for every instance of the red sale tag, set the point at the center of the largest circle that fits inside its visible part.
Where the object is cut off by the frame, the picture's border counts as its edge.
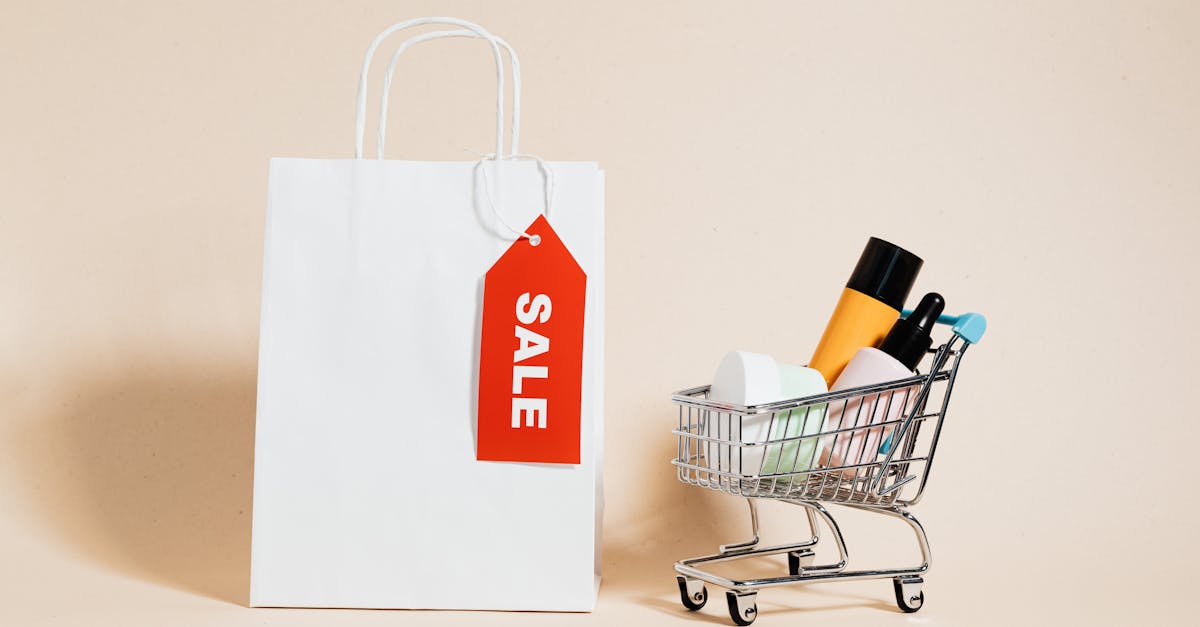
(531, 353)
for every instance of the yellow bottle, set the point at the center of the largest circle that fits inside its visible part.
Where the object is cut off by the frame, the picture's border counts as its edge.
(868, 307)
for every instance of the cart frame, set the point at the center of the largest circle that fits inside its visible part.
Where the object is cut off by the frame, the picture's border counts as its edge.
(717, 450)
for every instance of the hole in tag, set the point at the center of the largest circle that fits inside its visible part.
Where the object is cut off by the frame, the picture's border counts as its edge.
(534, 240)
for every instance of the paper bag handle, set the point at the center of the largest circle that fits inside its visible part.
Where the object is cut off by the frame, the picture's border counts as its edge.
(361, 103)
(514, 142)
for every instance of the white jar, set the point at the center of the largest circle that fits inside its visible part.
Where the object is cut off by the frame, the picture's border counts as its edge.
(748, 379)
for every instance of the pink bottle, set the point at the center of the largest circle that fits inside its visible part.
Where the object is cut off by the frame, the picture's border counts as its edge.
(896, 358)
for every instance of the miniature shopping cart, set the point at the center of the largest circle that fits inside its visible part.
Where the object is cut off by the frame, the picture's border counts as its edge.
(868, 448)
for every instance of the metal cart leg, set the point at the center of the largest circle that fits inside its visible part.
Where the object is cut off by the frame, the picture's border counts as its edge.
(908, 586)
(750, 547)
(799, 552)
(741, 596)
(918, 531)
(752, 542)
(802, 560)
(815, 510)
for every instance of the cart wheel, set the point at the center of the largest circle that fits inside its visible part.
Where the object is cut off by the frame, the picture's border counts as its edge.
(909, 596)
(798, 560)
(692, 592)
(742, 608)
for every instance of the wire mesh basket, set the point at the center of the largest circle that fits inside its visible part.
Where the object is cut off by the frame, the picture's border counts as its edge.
(864, 445)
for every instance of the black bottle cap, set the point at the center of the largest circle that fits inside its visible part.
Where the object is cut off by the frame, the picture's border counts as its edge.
(885, 272)
(909, 338)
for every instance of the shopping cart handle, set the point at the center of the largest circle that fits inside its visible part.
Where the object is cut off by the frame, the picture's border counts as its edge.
(968, 326)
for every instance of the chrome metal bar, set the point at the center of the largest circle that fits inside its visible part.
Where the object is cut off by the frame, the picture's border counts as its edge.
(753, 541)
(742, 585)
(795, 438)
(746, 549)
(814, 471)
(690, 396)
(917, 528)
(937, 429)
(838, 540)
(743, 553)
(938, 361)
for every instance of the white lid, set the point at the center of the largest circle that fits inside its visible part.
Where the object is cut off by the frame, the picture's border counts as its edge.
(745, 378)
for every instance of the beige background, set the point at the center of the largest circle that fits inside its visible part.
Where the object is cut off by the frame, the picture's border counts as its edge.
(1043, 159)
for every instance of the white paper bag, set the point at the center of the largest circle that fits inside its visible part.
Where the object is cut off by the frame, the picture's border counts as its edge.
(366, 489)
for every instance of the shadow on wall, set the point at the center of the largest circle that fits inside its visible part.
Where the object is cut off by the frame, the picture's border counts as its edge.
(148, 471)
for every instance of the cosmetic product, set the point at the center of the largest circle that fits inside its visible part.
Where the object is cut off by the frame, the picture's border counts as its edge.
(798, 455)
(896, 358)
(868, 306)
(749, 379)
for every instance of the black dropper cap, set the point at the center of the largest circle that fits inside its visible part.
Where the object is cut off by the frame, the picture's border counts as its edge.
(885, 272)
(909, 338)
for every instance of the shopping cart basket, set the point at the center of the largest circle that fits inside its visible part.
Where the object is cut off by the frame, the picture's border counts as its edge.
(867, 448)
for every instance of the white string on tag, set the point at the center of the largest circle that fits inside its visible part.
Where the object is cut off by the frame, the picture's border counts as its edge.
(547, 188)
